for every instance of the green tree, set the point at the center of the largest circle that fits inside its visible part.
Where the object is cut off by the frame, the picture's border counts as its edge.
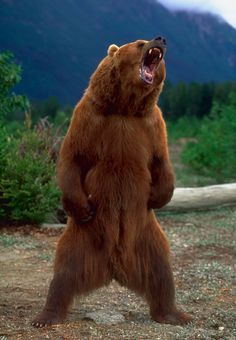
(177, 101)
(45, 108)
(222, 91)
(10, 75)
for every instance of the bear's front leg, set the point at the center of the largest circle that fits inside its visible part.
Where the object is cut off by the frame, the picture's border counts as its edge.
(71, 169)
(162, 186)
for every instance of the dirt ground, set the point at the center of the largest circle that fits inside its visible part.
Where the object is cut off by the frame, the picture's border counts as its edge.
(203, 256)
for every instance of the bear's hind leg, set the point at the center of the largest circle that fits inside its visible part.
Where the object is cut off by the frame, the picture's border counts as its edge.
(148, 272)
(60, 296)
(80, 266)
(160, 289)
(160, 293)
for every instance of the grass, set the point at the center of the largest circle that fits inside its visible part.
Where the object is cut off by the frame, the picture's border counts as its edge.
(45, 256)
(8, 240)
(16, 241)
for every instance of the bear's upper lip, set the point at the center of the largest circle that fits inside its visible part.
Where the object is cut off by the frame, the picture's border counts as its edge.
(149, 63)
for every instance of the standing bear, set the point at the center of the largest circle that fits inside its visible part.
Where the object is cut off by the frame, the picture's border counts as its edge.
(113, 170)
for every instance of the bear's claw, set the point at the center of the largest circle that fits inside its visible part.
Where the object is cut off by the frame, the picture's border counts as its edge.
(175, 318)
(46, 318)
(90, 216)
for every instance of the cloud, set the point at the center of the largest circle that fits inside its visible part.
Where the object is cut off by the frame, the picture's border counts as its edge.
(224, 8)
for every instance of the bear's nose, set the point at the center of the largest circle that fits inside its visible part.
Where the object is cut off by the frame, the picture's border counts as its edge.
(161, 40)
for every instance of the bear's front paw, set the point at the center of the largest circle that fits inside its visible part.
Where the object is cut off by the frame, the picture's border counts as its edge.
(82, 213)
(158, 199)
(87, 215)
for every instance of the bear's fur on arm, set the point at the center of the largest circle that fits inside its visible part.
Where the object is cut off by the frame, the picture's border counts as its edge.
(162, 186)
(114, 168)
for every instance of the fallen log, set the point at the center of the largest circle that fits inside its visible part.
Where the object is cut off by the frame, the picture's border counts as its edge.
(202, 197)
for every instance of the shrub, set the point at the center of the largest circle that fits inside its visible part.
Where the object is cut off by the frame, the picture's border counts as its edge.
(28, 192)
(27, 181)
(184, 127)
(213, 153)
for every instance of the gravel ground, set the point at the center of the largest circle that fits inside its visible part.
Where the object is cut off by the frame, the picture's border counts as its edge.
(203, 256)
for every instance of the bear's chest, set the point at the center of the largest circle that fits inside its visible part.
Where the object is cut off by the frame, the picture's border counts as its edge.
(121, 159)
(122, 140)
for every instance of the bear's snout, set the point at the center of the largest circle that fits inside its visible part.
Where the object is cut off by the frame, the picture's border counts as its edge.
(161, 40)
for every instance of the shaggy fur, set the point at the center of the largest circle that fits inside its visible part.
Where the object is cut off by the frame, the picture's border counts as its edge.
(114, 168)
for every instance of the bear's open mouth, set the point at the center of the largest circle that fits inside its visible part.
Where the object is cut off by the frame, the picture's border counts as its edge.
(149, 64)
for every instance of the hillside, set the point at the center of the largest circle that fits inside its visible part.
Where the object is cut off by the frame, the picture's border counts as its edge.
(59, 43)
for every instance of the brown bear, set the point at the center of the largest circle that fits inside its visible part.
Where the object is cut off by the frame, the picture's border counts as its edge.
(113, 170)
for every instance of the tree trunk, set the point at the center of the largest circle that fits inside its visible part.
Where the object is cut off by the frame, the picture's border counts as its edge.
(202, 198)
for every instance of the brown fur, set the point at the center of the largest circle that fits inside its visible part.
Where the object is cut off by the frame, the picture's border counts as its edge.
(115, 159)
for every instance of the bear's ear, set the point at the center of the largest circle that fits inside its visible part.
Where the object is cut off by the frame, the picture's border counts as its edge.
(112, 49)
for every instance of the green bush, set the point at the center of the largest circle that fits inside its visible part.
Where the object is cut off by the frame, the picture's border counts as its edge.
(184, 127)
(27, 181)
(214, 152)
(28, 191)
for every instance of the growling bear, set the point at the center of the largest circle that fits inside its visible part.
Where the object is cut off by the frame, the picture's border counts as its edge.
(113, 170)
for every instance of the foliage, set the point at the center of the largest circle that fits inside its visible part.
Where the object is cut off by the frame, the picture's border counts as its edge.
(213, 153)
(27, 180)
(4, 141)
(184, 127)
(10, 75)
(43, 108)
(27, 169)
(193, 99)
(28, 191)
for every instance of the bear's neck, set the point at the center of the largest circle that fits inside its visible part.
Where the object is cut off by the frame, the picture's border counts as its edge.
(131, 105)
(113, 98)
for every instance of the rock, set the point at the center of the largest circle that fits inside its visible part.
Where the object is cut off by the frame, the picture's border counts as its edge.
(105, 317)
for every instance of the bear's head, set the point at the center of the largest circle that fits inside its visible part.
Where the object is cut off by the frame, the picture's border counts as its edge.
(129, 73)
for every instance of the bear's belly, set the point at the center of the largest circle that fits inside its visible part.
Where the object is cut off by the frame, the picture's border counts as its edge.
(115, 186)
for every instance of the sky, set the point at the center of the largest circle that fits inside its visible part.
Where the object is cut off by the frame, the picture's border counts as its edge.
(224, 8)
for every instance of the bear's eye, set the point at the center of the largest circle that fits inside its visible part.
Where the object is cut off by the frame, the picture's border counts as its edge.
(141, 44)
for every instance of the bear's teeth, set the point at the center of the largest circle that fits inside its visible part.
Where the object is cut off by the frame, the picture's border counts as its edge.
(150, 51)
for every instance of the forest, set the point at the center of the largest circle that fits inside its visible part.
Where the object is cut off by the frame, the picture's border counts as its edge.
(200, 117)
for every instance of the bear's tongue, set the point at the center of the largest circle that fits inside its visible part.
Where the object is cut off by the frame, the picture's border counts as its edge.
(148, 72)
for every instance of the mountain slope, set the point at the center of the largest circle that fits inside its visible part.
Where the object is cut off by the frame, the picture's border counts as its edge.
(59, 43)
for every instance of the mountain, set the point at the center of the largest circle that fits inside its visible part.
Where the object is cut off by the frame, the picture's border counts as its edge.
(59, 43)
